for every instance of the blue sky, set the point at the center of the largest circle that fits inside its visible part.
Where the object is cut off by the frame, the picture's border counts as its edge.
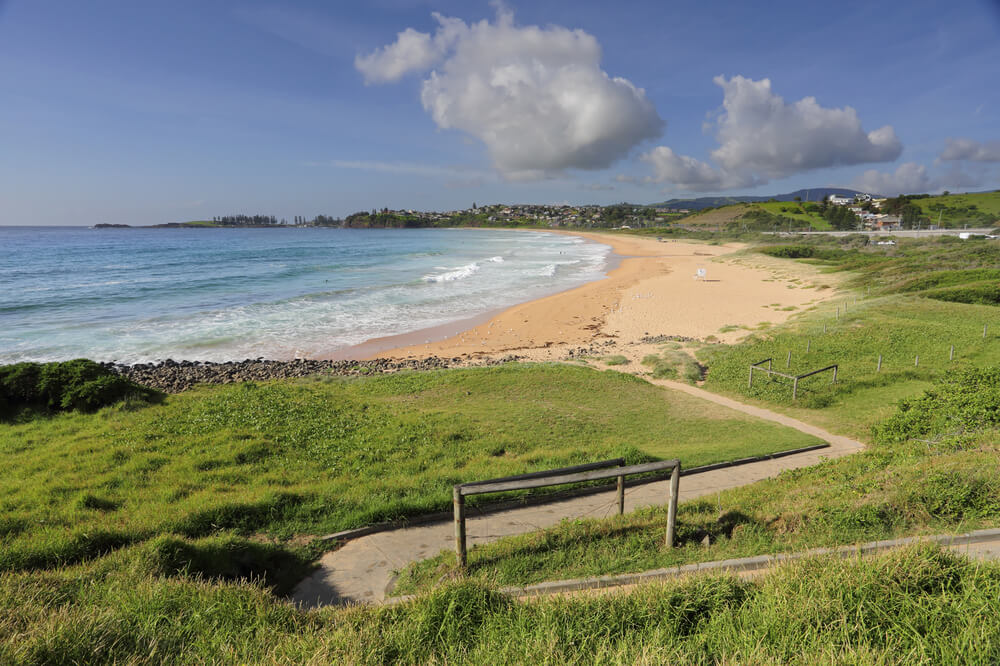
(145, 112)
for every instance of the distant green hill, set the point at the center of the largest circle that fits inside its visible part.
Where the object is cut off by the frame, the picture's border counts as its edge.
(978, 209)
(814, 194)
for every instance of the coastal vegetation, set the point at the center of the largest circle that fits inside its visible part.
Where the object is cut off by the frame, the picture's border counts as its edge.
(929, 412)
(278, 460)
(932, 467)
(153, 531)
(918, 605)
(30, 389)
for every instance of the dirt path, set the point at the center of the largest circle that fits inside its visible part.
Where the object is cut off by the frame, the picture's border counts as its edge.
(360, 571)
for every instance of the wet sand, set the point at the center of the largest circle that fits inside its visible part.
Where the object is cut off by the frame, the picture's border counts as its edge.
(653, 291)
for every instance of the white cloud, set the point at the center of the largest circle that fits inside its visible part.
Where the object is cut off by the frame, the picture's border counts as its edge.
(763, 137)
(909, 178)
(689, 173)
(760, 132)
(971, 150)
(412, 50)
(536, 97)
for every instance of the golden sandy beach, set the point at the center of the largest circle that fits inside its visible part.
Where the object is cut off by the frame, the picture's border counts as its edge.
(654, 291)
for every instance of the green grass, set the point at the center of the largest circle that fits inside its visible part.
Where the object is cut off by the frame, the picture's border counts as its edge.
(933, 467)
(955, 210)
(899, 328)
(909, 314)
(796, 211)
(320, 455)
(919, 605)
(673, 364)
(615, 359)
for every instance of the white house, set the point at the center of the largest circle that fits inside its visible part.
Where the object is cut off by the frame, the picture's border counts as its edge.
(840, 201)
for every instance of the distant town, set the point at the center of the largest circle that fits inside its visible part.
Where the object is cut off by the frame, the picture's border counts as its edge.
(839, 210)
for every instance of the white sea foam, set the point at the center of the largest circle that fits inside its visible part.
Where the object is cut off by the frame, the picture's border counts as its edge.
(377, 285)
(459, 273)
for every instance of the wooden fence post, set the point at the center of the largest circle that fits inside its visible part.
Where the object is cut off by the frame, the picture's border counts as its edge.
(951, 354)
(795, 388)
(621, 495)
(788, 360)
(808, 344)
(675, 480)
(750, 383)
(916, 360)
(459, 502)
(984, 330)
(879, 367)
(834, 380)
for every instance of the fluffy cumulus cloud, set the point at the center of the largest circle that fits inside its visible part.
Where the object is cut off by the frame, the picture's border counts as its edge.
(691, 174)
(537, 97)
(908, 178)
(761, 137)
(970, 150)
(913, 178)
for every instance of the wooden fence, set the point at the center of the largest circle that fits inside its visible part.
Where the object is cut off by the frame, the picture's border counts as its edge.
(795, 378)
(606, 469)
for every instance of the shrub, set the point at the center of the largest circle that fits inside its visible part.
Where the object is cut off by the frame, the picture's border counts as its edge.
(52, 387)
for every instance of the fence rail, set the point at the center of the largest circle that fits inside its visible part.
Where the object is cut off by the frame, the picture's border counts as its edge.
(565, 475)
(795, 378)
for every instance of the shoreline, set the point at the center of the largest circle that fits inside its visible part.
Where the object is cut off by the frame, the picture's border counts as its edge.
(387, 346)
(649, 297)
(653, 292)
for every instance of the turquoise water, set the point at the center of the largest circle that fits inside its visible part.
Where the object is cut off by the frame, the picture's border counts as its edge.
(139, 295)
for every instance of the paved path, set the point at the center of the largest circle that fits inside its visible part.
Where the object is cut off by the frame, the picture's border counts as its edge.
(360, 571)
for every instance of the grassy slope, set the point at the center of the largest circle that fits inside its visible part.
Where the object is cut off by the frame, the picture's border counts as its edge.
(915, 606)
(794, 210)
(316, 456)
(872, 495)
(717, 218)
(954, 209)
(934, 467)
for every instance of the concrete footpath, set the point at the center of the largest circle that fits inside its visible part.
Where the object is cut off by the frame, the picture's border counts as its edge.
(360, 571)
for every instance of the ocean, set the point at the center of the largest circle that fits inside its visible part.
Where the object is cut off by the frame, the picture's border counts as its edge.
(143, 295)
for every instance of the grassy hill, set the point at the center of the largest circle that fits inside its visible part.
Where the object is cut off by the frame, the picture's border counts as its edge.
(956, 210)
(316, 456)
(715, 219)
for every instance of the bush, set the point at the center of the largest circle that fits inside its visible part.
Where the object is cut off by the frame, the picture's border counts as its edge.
(966, 402)
(53, 387)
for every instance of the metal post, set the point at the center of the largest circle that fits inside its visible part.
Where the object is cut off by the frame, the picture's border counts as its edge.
(675, 480)
(879, 368)
(795, 388)
(459, 502)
